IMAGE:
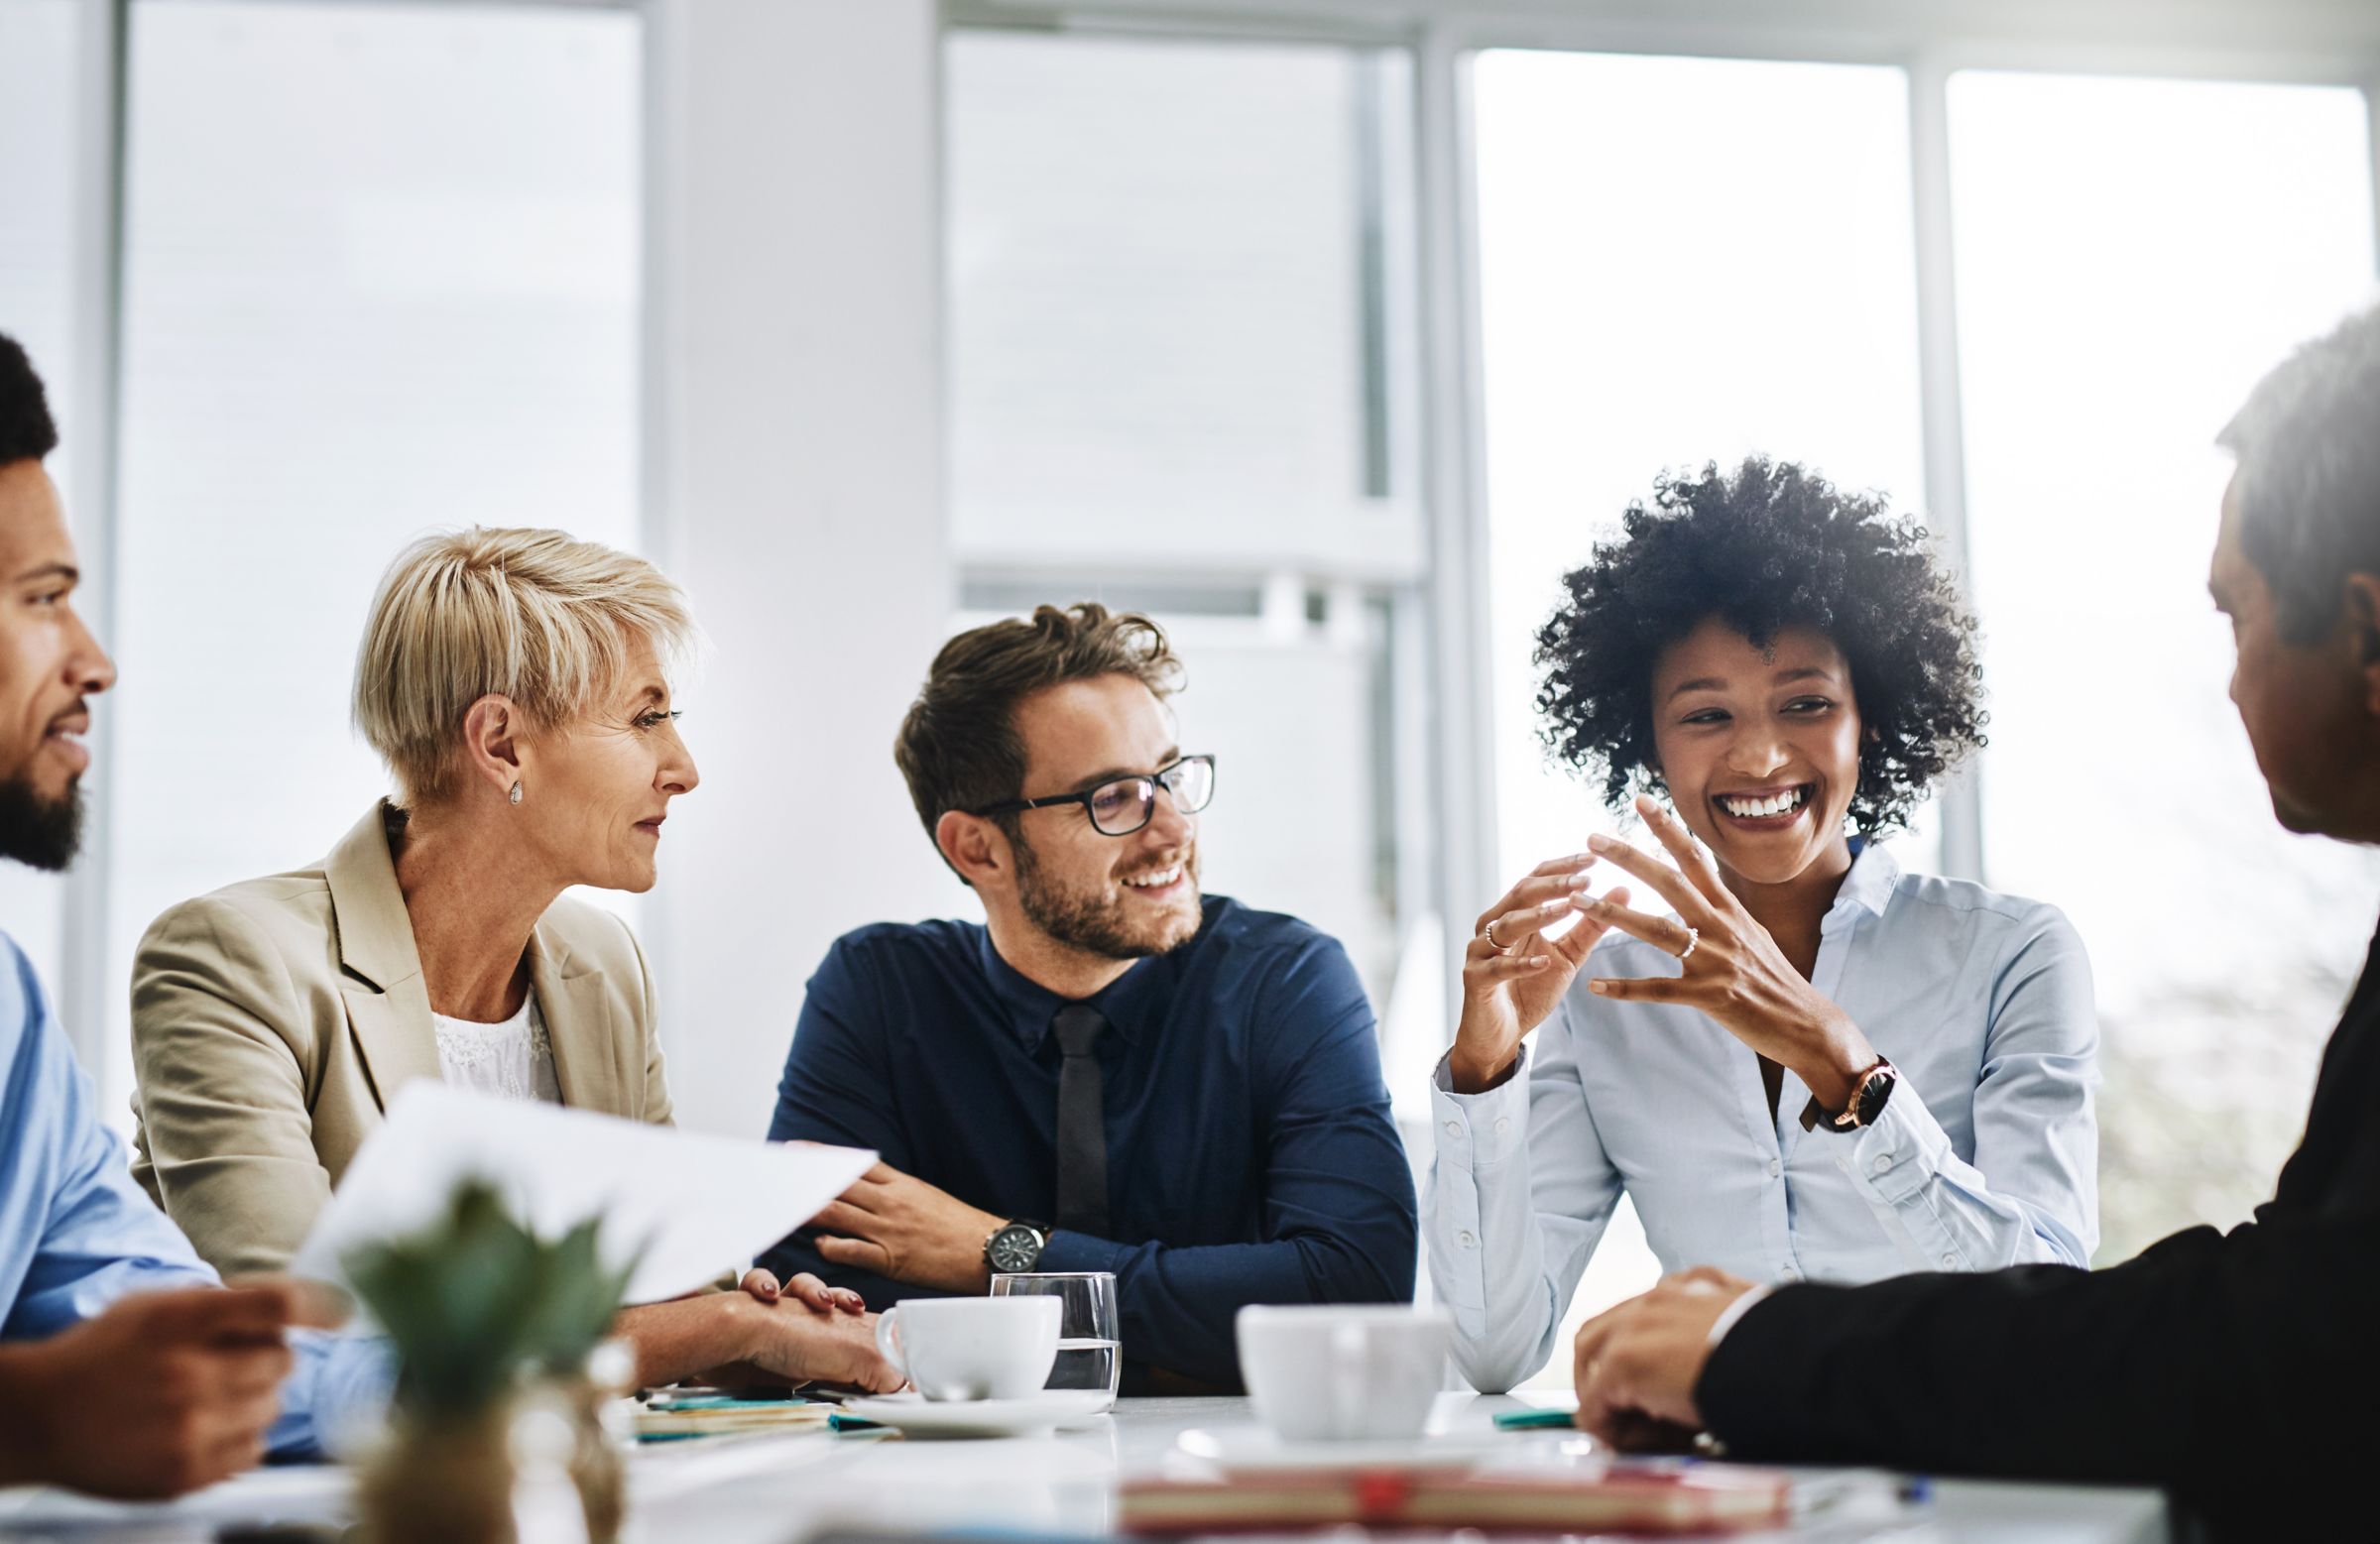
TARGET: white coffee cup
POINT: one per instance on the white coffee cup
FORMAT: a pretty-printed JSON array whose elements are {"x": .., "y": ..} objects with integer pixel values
[
  {"x": 972, "y": 1348},
  {"x": 1338, "y": 1374}
]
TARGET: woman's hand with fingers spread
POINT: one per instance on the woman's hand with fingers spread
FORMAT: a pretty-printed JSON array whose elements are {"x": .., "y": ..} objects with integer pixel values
[
  {"x": 1513, "y": 974},
  {"x": 1732, "y": 968}
]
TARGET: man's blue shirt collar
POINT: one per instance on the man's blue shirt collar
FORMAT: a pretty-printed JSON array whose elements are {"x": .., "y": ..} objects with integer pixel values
[{"x": 1031, "y": 1007}]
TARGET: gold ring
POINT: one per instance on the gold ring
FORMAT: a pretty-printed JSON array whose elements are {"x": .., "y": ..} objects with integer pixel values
[{"x": 1488, "y": 933}]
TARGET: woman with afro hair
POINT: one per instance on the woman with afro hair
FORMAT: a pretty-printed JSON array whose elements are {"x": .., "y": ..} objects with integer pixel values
[{"x": 1798, "y": 1060}]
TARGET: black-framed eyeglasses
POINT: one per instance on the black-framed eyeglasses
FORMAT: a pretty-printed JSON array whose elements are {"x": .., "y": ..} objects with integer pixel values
[{"x": 1123, "y": 805}]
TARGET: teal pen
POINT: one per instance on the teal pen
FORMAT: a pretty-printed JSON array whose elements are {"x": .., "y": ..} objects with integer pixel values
[
  {"x": 721, "y": 1402},
  {"x": 1534, "y": 1420}
]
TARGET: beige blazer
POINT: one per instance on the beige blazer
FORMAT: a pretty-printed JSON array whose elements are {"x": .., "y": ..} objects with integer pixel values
[{"x": 273, "y": 1020}]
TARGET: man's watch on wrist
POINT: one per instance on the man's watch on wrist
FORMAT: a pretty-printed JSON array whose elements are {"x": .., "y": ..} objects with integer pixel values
[
  {"x": 1015, "y": 1246},
  {"x": 1869, "y": 1094}
]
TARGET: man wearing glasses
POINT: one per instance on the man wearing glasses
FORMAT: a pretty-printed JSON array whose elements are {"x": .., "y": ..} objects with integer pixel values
[{"x": 1109, "y": 1073}]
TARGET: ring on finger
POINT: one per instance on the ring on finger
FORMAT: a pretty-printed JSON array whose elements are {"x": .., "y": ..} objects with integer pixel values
[
  {"x": 1694, "y": 941},
  {"x": 1488, "y": 932}
]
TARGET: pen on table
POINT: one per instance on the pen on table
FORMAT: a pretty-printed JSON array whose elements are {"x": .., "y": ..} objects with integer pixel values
[{"x": 1534, "y": 1420}]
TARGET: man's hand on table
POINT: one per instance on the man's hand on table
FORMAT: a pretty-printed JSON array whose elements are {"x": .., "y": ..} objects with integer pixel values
[
  {"x": 903, "y": 1228},
  {"x": 161, "y": 1394},
  {"x": 1638, "y": 1364}
]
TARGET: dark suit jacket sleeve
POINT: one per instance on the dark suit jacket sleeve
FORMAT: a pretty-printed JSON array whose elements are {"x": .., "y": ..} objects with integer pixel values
[
  {"x": 2231, "y": 1370},
  {"x": 1339, "y": 1214},
  {"x": 837, "y": 1088}
]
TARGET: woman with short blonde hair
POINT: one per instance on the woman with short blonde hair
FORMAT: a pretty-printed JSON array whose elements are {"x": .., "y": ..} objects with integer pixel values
[{"x": 517, "y": 684}]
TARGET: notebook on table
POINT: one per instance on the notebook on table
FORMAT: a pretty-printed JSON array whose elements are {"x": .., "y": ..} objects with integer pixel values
[{"x": 1555, "y": 1493}]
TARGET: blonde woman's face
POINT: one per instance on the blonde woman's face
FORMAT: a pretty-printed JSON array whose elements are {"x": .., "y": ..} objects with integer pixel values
[{"x": 594, "y": 793}]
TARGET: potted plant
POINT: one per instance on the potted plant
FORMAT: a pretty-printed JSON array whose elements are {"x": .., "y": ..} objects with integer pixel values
[{"x": 481, "y": 1312}]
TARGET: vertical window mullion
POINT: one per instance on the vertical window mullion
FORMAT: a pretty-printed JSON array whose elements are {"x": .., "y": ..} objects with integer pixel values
[{"x": 1942, "y": 415}]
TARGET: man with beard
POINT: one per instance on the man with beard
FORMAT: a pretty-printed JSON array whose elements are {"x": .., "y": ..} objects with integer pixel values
[
  {"x": 125, "y": 1368},
  {"x": 2238, "y": 1369},
  {"x": 1109, "y": 1074}
]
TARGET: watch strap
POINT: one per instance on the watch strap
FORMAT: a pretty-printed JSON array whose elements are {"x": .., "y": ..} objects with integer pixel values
[{"x": 1868, "y": 1097}]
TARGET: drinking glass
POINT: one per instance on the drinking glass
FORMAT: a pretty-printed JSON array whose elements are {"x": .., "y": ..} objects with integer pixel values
[{"x": 1090, "y": 1344}]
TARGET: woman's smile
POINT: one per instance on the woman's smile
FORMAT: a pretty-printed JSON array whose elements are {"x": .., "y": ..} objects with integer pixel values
[{"x": 1777, "y": 807}]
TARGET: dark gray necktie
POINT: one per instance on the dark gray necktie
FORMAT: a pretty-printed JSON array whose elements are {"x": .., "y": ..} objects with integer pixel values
[{"x": 1082, "y": 1122}]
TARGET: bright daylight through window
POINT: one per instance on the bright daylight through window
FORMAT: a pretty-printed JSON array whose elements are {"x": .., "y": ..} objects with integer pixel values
[
  {"x": 347, "y": 321},
  {"x": 2127, "y": 261}
]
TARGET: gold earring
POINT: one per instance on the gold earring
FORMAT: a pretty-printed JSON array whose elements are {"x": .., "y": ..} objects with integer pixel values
[{"x": 515, "y": 794}]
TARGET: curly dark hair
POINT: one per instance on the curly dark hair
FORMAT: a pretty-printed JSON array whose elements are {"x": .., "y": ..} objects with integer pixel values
[
  {"x": 27, "y": 432},
  {"x": 1769, "y": 546}
]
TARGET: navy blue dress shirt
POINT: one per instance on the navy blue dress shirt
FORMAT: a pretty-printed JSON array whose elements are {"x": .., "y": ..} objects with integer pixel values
[{"x": 1251, "y": 1154}]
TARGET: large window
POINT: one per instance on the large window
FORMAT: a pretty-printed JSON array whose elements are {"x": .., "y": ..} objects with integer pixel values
[
  {"x": 2132, "y": 256},
  {"x": 1181, "y": 381},
  {"x": 382, "y": 277}
]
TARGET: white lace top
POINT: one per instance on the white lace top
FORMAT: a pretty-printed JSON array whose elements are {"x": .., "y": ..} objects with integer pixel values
[{"x": 512, "y": 1060}]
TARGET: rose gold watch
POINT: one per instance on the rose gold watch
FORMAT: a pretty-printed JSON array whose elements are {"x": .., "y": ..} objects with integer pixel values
[{"x": 1868, "y": 1095}]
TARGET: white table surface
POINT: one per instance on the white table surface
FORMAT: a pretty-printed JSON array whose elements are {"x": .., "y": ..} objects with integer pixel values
[{"x": 775, "y": 1489}]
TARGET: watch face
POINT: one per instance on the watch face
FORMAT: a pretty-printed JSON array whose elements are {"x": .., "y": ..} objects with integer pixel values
[
  {"x": 1875, "y": 1092},
  {"x": 1015, "y": 1249}
]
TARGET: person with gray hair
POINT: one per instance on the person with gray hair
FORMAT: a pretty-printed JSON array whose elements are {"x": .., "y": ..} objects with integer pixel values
[
  {"x": 517, "y": 685},
  {"x": 2234, "y": 1369}
]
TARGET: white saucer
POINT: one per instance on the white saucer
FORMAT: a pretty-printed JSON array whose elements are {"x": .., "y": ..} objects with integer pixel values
[
  {"x": 1245, "y": 1448},
  {"x": 917, "y": 1415}
]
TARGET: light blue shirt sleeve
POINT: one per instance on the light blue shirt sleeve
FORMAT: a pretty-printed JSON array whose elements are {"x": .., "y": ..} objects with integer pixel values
[
  {"x": 2036, "y": 1135},
  {"x": 1519, "y": 1194},
  {"x": 76, "y": 1232}
]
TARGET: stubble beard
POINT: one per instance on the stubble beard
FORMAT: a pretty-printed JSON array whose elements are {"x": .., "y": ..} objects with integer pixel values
[{"x": 1097, "y": 924}]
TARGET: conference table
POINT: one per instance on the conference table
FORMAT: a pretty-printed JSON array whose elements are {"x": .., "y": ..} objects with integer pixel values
[{"x": 780, "y": 1489}]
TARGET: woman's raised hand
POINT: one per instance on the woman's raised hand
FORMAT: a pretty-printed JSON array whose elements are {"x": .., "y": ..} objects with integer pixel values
[
  {"x": 1733, "y": 970},
  {"x": 1513, "y": 974}
]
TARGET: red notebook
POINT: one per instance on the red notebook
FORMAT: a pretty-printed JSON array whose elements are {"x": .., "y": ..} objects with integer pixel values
[{"x": 1569, "y": 1493}]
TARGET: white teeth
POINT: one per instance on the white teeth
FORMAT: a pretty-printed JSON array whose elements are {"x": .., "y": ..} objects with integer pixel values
[
  {"x": 1776, "y": 804},
  {"x": 1156, "y": 881}
]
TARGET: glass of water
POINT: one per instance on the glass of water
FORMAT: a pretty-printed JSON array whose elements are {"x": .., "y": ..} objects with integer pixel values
[{"x": 1090, "y": 1345}]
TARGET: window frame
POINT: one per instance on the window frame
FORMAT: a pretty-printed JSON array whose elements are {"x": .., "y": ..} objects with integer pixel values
[{"x": 2307, "y": 42}]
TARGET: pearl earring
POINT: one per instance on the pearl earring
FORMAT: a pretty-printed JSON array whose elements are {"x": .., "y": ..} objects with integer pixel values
[{"x": 515, "y": 794}]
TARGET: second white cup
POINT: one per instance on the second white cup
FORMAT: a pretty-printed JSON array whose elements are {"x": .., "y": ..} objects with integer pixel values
[
  {"x": 971, "y": 1347},
  {"x": 1340, "y": 1374}
]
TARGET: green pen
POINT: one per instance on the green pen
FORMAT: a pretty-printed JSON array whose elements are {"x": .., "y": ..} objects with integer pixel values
[{"x": 1534, "y": 1420}]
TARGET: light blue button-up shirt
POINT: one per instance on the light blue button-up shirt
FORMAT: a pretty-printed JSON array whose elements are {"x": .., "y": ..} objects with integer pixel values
[
  {"x": 1986, "y": 1154},
  {"x": 77, "y": 1233}
]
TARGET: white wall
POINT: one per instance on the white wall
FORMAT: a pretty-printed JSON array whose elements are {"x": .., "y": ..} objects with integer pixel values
[{"x": 798, "y": 449}]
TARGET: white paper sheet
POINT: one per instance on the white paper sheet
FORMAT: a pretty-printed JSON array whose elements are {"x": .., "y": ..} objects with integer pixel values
[{"x": 696, "y": 1206}]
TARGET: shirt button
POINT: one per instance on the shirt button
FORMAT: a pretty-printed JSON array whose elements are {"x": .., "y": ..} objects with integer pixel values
[
  {"x": 1503, "y": 1126},
  {"x": 1883, "y": 1161},
  {"x": 1453, "y": 1128},
  {"x": 1789, "y": 1272},
  {"x": 1776, "y": 1166},
  {"x": 1949, "y": 1262},
  {"x": 1464, "y": 1240}
]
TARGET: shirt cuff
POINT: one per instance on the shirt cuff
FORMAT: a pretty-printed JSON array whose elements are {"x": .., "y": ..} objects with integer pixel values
[
  {"x": 1070, "y": 1253},
  {"x": 1897, "y": 1156},
  {"x": 337, "y": 1396},
  {"x": 1481, "y": 1131},
  {"x": 1734, "y": 1311}
]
